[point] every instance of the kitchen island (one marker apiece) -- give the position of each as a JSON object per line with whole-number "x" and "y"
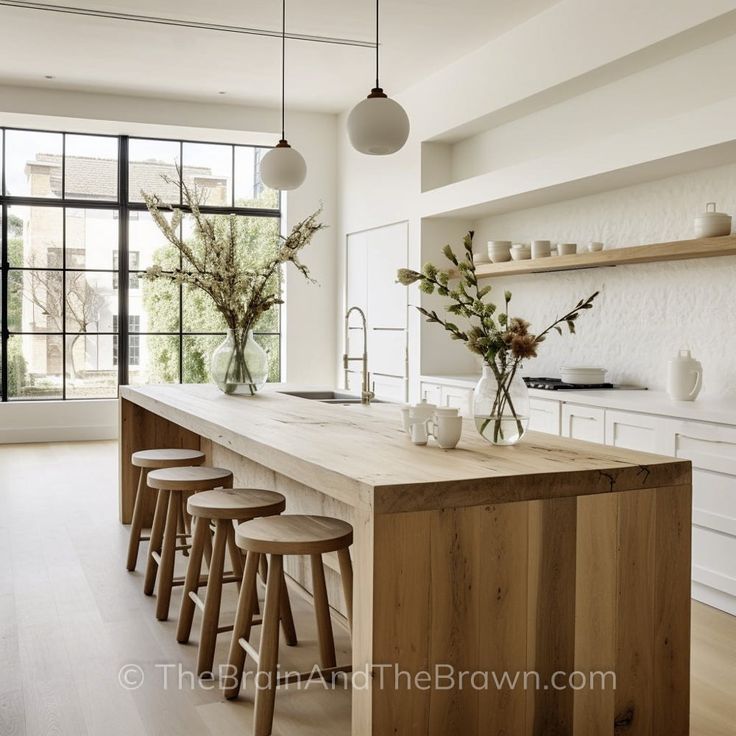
{"x": 529, "y": 568}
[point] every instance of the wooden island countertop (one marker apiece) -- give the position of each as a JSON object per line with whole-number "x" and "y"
{"x": 552, "y": 555}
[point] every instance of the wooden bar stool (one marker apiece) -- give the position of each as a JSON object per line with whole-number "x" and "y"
{"x": 278, "y": 536}
{"x": 225, "y": 508}
{"x": 148, "y": 460}
{"x": 173, "y": 485}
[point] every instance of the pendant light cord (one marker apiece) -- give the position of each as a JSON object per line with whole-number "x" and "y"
{"x": 283, "y": 70}
{"x": 377, "y": 84}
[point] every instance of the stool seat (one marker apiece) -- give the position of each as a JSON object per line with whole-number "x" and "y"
{"x": 196, "y": 478}
{"x": 235, "y": 503}
{"x": 294, "y": 534}
{"x": 168, "y": 458}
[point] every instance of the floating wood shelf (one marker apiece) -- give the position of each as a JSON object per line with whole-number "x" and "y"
{"x": 677, "y": 250}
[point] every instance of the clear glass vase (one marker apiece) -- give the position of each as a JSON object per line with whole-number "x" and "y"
{"x": 501, "y": 406}
{"x": 239, "y": 365}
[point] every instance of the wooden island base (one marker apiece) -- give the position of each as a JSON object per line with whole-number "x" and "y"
{"x": 542, "y": 589}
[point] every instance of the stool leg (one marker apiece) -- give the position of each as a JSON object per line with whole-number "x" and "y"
{"x": 168, "y": 555}
{"x": 136, "y": 525}
{"x": 243, "y": 622}
{"x": 211, "y": 617}
{"x": 181, "y": 524}
{"x": 346, "y": 574}
{"x": 268, "y": 654}
{"x": 154, "y": 545}
{"x": 287, "y": 617}
{"x": 236, "y": 556}
{"x": 191, "y": 584}
{"x": 322, "y": 612}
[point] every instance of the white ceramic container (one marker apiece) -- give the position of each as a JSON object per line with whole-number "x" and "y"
{"x": 521, "y": 252}
{"x": 567, "y": 249}
{"x": 595, "y": 246}
{"x": 712, "y": 224}
{"x": 499, "y": 251}
{"x": 582, "y": 374}
{"x": 541, "y": 248}
{"x": 684, "y": 377}
{"x": 447, "y": 430}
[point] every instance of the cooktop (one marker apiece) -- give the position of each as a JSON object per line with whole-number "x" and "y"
{"x": 556, "y": 384}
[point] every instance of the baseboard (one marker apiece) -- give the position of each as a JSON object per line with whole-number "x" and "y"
{"x": 58, "y": 434}
{"x": 714, "y": 598}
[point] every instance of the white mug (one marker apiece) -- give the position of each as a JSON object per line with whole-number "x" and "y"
{"x": 446, "y": 430}
{"x": 541, "y": 248}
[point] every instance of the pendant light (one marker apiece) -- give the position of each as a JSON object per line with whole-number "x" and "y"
{"x": 283, "y": 167}
{"x": 378, "y": 125}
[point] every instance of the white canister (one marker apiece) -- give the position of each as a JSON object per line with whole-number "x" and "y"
{"x": 541, "y": 248}
{"x": 684, "y": 377}
{"x": 712, "y": 224}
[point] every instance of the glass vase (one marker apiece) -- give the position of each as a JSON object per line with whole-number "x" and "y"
{"x": 501, "y": 405}
{"x": 239, "y": 365}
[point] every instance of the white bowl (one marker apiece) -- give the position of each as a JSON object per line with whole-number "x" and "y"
{"x": 521, "y": 252}
{"x": 567, "y": 249}
{"x": 499, "y": 251}
{"x": 582, "y": 374}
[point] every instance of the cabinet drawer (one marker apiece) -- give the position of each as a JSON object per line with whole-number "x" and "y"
{"x": 458, "y": 398}
{"x": 708, "y": 446}
{"x": 544, "y": 415}
{"x": 581, "y": 422}
{"x": 431, "y": 391}
{"x": 639, "y": 432}
{"x": 714, "y": 560}
{"x": 714, "y": 501}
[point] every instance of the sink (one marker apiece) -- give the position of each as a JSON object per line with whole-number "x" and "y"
{"x": 329, "y": 397}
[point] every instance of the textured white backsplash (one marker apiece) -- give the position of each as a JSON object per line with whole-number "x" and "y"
{"x": 645, "y": 313}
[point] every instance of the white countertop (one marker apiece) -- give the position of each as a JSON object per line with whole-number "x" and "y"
{"x": 704, "y": 409}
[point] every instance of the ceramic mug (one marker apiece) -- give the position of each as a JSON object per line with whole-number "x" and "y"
{"x": 446, "y": 430}
{"x": 541, "y": 248}
{"x": 567, "y": 249}
{"x": 419, "y": 433}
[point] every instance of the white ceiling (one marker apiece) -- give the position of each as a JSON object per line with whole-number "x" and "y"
{"x": 104, "y": 55}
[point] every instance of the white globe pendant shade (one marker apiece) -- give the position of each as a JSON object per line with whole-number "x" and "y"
{"x": 283, "y": 167}
{"x": 378, "y": 125}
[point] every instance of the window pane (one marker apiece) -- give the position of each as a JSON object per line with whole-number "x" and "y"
{"x": 90, "y": 372}
{"x": 34, "y": 301}
{"x": 91, "y": 167}
{"x": 200, "y": 313}
{"x": 250, "y": 191}
{"x": 270, "y": 321}
{"x": 91, "y": 301}
{"x": 158, "y": 360}
{"x": 208, "y": 170}
{"x": 157, "y": 304}
{"x": 149, "y": 244}
{"x": 35, "y": 236}
{"x": 270, "y": 343}
{"x": 33, "y": 163}
{"x": 34, "y": 367}
{"x": 198, "y": 351}
{"x": 151, "y": 163}
{"x": 91, "y": 238}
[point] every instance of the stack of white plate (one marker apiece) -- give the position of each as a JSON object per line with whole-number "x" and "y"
{"x": 582, "y": 374}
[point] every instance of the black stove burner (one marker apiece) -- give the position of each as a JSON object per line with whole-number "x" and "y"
{"x": 556, "y": 384}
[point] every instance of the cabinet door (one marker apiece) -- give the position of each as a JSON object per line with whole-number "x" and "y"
{"x": 432, "y": 392}
{"x": 458, "y": 398}
{"x": 581, "y": 422}
{"x": 386, "y": 253}
{"x": 544, "y": 415}
{"x": 643, "y": 432}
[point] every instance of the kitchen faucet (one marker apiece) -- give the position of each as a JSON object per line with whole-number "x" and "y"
{"x": 366, "y": 393}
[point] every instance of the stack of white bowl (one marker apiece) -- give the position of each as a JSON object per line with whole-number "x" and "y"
{"x": 521, "y": 251}
{"x": 499, "y": 251}
{"x": 582, "y": 375}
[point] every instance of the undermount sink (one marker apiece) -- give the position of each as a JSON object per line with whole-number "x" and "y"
{"x": 329, "y": 397}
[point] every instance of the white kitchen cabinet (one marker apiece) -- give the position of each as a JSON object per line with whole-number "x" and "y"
{"x": 545, "y": 415}
{"x": 643, "y": 432}
{"x": 458, "y": 398}
{"x": 581, "y": 422}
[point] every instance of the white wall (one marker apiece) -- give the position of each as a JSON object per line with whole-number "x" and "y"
{"x": 615, "y": 83}
{"x": 310, "y": 340}
{"x": 645, "y": 312}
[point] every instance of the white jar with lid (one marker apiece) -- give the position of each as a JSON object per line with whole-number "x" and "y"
{"x": 712, "y": 224}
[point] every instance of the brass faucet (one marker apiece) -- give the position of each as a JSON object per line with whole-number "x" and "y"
{"x": 366, "y": 394}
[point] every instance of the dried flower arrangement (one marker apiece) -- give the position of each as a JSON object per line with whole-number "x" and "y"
{"x": 502, "y": 341}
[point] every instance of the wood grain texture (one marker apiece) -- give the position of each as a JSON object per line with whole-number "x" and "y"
{"x": 677, "y": 250}
{"x": 361, "y": 456}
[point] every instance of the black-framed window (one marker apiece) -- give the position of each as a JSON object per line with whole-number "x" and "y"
{"x": 77, "y": 317}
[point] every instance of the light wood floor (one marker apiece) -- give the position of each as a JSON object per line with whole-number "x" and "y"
{"x": 71, "y": 617}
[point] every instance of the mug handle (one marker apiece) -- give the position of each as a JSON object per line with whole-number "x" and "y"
{"x": 698, "y": 383}
{"x": 431, "y": 426}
